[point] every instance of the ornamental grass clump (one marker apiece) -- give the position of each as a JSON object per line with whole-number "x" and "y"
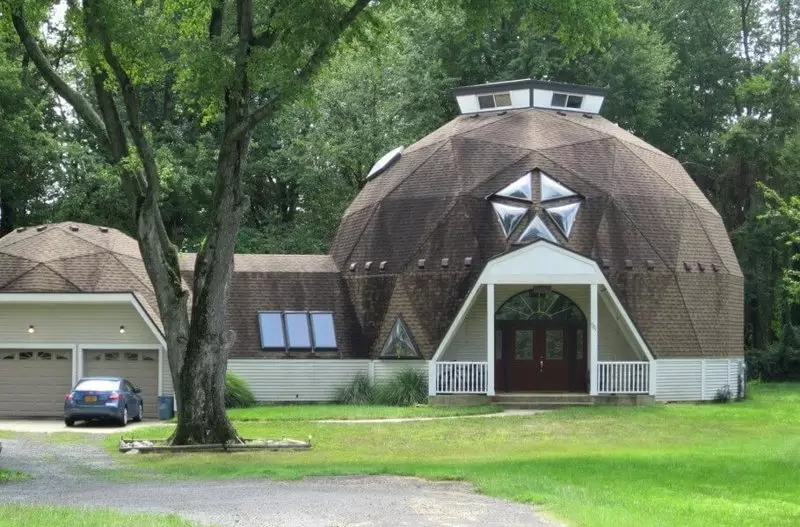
{"x": 237, "y": 392}
{"x": 407, "y": 387}
{"x": 359, "y": 391}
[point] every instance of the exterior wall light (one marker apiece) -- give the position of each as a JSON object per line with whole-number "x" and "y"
{"x": 31, "y": 329}
{"x": 122, "y": 329}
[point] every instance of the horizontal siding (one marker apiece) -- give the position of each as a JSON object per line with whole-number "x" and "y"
{"x": 297, "y": 380}
{"x": 166, "y": 376}
{"x": 695, "y": 379}
{"x": 384, "y": 369}
{"x": 469, "y": 342}
{"x": 73, "y": 324}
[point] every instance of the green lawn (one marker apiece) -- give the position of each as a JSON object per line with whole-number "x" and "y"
{"x": 7, "y": 475}
{"x": 681, "y": 464}
{"x": 315, "y": 412}
{"x": 46, "y": 516}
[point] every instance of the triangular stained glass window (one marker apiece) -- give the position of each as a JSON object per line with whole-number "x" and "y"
{"x": 509, "y": 216}
{"x": 552, "y": 189}
{"x": 398, "y": 344}
{"x": 564, "y": 216}
{"x": 535, "y": 230}
{"x": 519, "y": 189}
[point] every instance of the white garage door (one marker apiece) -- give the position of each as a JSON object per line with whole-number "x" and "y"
{"x": 33, "y": 383}
{"x": 139, "y": 367}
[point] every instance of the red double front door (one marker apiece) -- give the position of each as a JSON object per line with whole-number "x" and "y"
{"x": 539, "y": 357}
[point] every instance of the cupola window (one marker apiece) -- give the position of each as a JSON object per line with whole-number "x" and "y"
{"x": 494, "y": 100}
{"x": 563, "y": 100}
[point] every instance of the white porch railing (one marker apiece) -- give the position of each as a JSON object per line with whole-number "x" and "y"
{"x": 623, "y": 377}
{"x": 461, "y": 377}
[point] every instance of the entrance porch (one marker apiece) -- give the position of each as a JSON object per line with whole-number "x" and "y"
{"x": 542, "y": 320}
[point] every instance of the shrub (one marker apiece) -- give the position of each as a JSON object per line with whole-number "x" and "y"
{"x": 723, "y": 395}
{"x": 780, "y": 361}
{"x": 359, "y": 391}
{"x": 407, "y": 387}
{"x": 237, "y": 392}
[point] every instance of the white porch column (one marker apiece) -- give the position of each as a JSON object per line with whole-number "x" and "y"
{"x": 432, "y": 377}
{"x": 490, "y": 339}
{"x": 593, "y": 339}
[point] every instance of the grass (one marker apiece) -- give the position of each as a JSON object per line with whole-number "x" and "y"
{"x": 42, "y": 515}
{"x": 315, "y": 412}
{"x": 8, "y": 475}
{"x": 681, "y": 464}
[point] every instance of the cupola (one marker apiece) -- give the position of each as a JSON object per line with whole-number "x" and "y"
{"x": 529, "y": 93}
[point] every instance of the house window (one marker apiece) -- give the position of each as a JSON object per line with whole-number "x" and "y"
{"x": 297, "y": 330}
{"x": 523, "y": 344}
{"x": 112, "y": 355}
{"x": 131, "y": 355}
{"x": 9, "y": 356}
{"x": 44, "y": 355}
{"x": 25, "y": 355}
{"x": 563, "y": 100}
{"x": 579, "y": 344}
{"x": 271, "y": 325}
{"x": 323, "y": 331}
{"x": 60, "y": 355}
{"x": 494, "y": 100}
{"x": 398, "y": 344}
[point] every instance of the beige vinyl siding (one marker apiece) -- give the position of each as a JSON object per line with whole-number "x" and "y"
{"x": 166, "y": 376}
{"x": 469, "y": 342}
{"x": 34, "y": 386}
{"x": 384, "y": 369}
{"x": 73, "y": 324}
{"x": 297, "y": 380}
{"x": 695, "y": 379}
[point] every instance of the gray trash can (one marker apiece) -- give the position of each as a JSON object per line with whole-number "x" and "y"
{"x": 166, "y": 407}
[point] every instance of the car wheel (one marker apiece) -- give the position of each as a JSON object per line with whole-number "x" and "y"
{"x": 138, "y": 417}
{"x": 124, "y": 419}
{"x": 69, "y": 422}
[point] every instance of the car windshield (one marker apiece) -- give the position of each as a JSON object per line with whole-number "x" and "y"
{"x": 97, "y": 385}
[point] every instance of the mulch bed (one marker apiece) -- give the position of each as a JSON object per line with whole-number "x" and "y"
{"x": 145, "y": 446}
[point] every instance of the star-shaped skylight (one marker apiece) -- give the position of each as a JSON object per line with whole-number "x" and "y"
{"x": 553, "y": 201}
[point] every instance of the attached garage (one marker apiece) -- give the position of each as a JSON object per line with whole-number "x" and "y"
{"x": 140, "y": 367}
{"x": 33, "y": 382}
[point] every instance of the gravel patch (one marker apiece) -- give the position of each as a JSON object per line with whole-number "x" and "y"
{"x": 61, "y": 475}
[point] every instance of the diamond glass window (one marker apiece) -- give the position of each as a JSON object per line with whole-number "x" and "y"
{"x": 519, "y": 189}
{"x": 385, "y": 162}
{"x": 297, "y": 330}
{"x": 559, "y": 100}
{"x": 509, "y": 216}
{"x": 398, "y": 344}
{"x": 564, "y": 216}
{"x": 323, "y": 330}
{"x": 535, "y": 230}
{"x": 486, "y": 101}
{"x": 552, "y": 189}
{"x": 271, "y": 329}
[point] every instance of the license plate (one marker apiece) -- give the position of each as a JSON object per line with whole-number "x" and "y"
{"x": 90, "y": 399}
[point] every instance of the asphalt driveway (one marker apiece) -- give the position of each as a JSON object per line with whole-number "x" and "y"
{"x": 62, "y": 475}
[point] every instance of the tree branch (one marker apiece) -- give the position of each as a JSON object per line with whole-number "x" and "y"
{"x": 81, "y": 105}
{"x": 304, "y": 75}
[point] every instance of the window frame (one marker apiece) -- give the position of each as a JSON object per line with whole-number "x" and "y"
{"x": 495, "y": 106}
{"x": 567, "y": 98}
{"x": 314, "y": 344}
{"x": 282, "y": 328}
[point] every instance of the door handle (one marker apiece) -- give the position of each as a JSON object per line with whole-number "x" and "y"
{"x": 541, "y": 366}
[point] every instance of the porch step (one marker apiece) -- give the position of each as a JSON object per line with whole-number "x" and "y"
{"x": 541, "y": 405}
{"x": 544, "y": 398}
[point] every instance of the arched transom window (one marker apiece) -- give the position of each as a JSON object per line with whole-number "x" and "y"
{"x": 540, "y": 305}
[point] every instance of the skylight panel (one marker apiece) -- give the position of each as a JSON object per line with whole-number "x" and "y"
{"x": 271, "y": 330}
{"x": 385, "y": 162}
{"x": 323, "y": 330}
{"x": 297, "y": 330}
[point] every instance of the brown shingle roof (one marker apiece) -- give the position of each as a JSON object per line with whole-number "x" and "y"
{"x": 637, "y": 205}
{"x": 272, "y": 263}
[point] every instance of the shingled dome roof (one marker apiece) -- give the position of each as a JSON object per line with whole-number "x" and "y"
{"x": 485, "y": 184}
{"x": 73, "y": 258}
